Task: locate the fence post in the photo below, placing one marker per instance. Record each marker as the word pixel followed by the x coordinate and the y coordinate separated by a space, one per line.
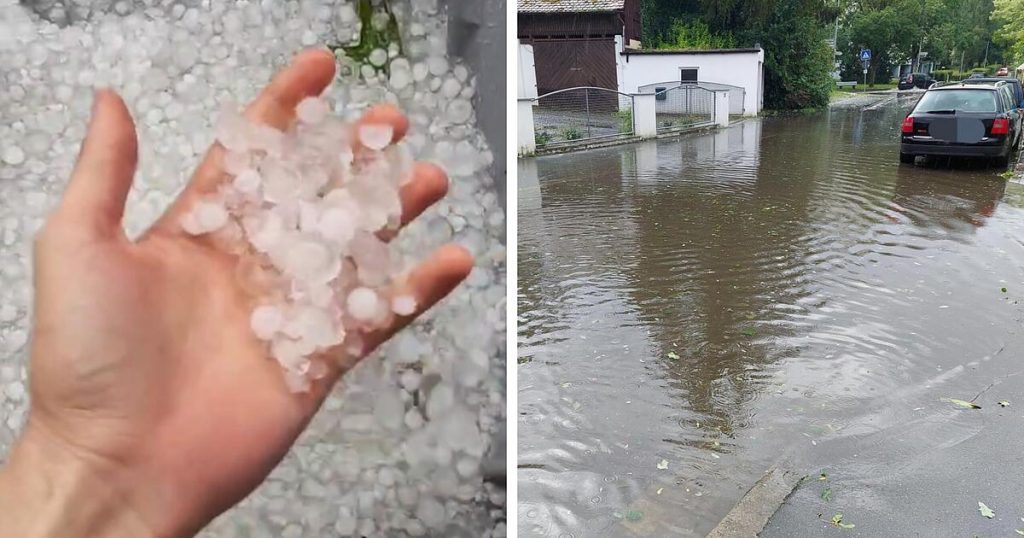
pixel 722 108
pixel 645 122
pixel 525 131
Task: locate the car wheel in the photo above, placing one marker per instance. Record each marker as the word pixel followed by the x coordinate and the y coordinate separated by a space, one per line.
pixel 906 158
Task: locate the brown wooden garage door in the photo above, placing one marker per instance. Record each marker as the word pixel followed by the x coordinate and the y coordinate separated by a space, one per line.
pixel 578 62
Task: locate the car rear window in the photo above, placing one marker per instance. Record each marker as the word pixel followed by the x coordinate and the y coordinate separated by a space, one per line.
pixel 959 100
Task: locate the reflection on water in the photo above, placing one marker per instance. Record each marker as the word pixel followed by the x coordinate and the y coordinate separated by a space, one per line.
pixel 692 308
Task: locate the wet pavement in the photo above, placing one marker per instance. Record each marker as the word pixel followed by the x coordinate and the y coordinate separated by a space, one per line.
pixel 696 310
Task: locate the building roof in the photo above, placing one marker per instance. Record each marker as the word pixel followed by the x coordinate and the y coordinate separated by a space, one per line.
pixel 690 51
pixel 569 6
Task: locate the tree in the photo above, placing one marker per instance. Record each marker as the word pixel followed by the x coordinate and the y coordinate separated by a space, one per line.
pixel 1009 15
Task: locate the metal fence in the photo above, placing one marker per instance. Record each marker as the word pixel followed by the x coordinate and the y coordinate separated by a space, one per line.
pixel 584 114
pixel 737 94
pixel 683 106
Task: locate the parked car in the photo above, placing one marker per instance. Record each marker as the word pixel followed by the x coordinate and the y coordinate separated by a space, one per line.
pixel 915 80
pixel 1018 91
pixel 1003 72
pixel 971 120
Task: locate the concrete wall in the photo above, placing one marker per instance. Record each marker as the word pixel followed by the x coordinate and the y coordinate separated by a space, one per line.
pixel 526 81
pixel 744 69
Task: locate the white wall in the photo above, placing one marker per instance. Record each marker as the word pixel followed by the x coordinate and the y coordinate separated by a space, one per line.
pixel 742 69
pixel 527 79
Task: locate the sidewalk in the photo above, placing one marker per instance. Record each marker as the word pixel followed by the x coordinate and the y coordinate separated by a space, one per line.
pixel 924 470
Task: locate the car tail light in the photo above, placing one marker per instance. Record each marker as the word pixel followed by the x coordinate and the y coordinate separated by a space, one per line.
pixel 1000 126
pixel 908 125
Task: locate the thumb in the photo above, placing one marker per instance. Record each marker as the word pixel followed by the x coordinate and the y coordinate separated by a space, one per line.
pixel 95 197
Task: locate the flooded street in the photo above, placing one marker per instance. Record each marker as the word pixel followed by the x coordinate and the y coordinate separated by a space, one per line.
pixel 694 310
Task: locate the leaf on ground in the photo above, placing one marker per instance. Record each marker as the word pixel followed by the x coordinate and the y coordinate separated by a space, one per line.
pixel 985 510
pixel 660 490
pixel 749 331
pixel 673 355
pixel 1004 403
pixel 634 515
pixel 1019 531
pixel 1002 290
pixel 663 464
pixel 826 494
pixel 837 520
pixel 823 476
pixel 961 403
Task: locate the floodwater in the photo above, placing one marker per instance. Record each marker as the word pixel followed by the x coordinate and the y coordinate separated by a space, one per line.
pixel 693 310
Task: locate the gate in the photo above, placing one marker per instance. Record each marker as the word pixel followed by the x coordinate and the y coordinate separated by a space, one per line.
pixel 575 116
pixel 683 106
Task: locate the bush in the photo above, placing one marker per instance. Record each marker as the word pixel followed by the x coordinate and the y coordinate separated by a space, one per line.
pixel 625 121
pixel 572 133
pixel 542 138
pixel 694 35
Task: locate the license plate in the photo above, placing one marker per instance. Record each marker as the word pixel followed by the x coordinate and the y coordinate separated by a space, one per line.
pixel 958 130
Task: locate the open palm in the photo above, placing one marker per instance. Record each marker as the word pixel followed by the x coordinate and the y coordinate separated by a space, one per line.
pixel 143 365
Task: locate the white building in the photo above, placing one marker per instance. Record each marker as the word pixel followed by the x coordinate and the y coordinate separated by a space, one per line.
pixel 640 70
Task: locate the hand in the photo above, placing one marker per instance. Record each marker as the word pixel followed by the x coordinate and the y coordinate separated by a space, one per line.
pixel 154 408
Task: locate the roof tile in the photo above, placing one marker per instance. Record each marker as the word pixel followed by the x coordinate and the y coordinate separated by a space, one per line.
pixel 568 6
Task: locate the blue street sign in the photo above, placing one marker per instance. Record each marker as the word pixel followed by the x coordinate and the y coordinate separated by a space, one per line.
pixel 865 55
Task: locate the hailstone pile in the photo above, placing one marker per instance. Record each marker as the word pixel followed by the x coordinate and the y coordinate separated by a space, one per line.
pixel 403 447
pixel 302 208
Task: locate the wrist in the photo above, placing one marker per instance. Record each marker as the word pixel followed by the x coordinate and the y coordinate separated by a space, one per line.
pixel 49 490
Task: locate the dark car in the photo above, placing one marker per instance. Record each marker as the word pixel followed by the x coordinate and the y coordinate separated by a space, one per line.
pixel 970 120
pixel 915 80
pixel 1018 91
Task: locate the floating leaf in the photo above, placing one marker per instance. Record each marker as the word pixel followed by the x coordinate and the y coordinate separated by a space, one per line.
pixel 1004 403
pixel 837 520
pixel 673 355
pixel 749 331
pixel 826 494
pixel 663 464
pixel 961 403
pixel 634 515
pixel 985 510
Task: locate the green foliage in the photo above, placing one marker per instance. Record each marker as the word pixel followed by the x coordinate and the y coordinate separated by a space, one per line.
pixel 1009 15
pixel 694 35
pixel 379 30
pixel 625 120
pixel 571 133
pixel 542 138
pixel 797 59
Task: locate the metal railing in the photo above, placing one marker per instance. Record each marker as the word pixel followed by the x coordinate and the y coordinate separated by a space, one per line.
pixel 580 115
pixel 683 106
pixel 737 94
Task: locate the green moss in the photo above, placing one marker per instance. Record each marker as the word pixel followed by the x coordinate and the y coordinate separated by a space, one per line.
pixel 371 36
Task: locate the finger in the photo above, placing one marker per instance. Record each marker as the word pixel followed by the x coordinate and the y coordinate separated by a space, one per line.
pixel 428 283
pixel 95 196
pixel 429 184
pixel 383 114
pixel 431 281
pixel 309 73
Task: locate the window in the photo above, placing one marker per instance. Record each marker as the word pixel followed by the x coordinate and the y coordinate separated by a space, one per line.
pixel 688 74
pixel 965 100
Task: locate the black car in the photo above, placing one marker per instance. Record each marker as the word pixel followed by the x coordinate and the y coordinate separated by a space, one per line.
pixel 972 120
pixel 915 80
pixel 1018 91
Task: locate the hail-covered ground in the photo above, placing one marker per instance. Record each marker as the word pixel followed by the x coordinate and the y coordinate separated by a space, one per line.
pixel 401 447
